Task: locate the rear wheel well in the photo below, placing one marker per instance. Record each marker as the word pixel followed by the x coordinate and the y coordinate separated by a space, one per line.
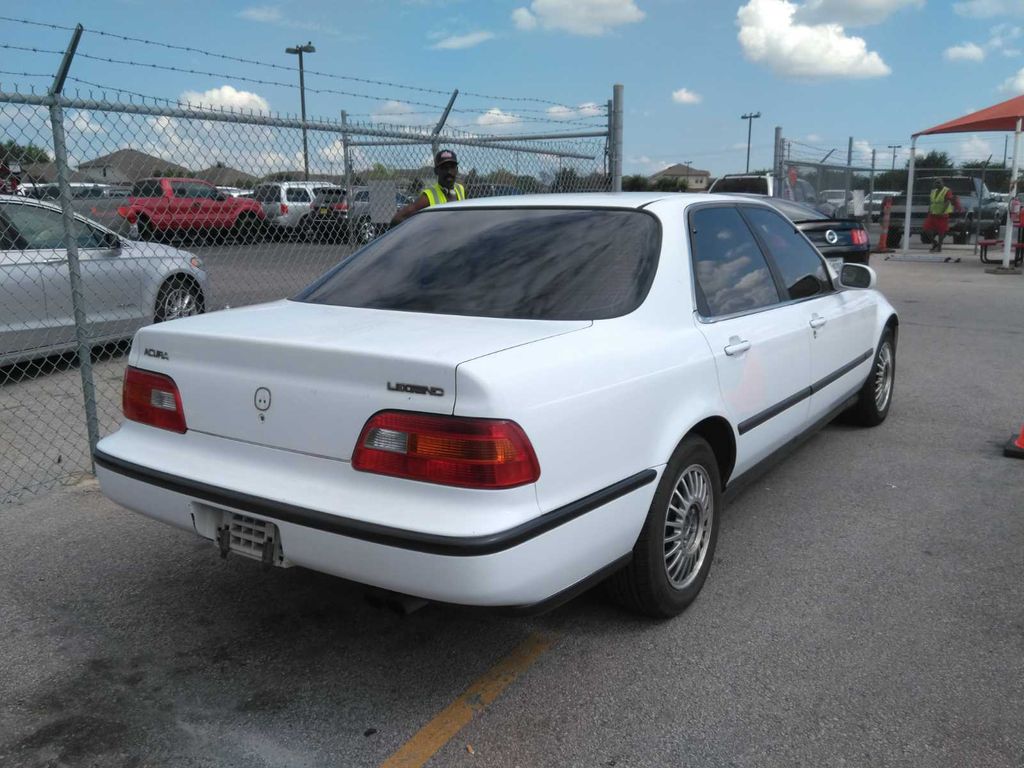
pixel 893 324
pixel 719 435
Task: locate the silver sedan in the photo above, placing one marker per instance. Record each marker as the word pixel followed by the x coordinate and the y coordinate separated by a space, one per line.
pixel 125 284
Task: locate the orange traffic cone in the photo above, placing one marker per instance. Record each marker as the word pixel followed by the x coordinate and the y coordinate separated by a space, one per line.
pixel 1015 448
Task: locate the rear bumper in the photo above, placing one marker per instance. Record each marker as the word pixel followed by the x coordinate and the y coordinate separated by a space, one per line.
pixel 522 565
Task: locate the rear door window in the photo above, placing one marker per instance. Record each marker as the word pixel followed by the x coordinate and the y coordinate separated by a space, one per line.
pixel 267 194
pixel 800 265
pixel 530 263
pixel 297 195
pixel 150 188
pixel 731 272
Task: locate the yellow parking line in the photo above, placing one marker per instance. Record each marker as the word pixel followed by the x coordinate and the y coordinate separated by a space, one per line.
pixel 446 724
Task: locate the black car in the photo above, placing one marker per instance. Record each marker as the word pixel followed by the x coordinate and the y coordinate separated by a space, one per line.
pixel 327 220
pixel 839 240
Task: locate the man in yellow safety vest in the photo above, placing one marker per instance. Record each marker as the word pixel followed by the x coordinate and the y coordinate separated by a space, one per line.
pixel 941 202
pixel 446 166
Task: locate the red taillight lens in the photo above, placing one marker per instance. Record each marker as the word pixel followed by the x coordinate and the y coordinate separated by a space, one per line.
pixel 152 398
pixel 284 209
pixel 859 236
pixel 126 213
pixel 340 206
pixel 449 450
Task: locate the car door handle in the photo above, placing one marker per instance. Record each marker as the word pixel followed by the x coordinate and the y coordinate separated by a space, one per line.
pixel 736 346
pixel 817 321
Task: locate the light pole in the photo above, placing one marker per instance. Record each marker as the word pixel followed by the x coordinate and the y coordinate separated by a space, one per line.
pixel 894 147
pixel 299 50
pixel 750 117
pixel 686 164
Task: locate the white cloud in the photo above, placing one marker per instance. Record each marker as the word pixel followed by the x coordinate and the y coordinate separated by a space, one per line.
pixel 964 52
pixel 578 17
pixel 974 148
pixel 227 97
pixel 861 147
pixel 523 19
pixel 813 137
pixel 458 42
pixel 273 14
pixel 400 113
pixel 1014 84
pixel 769 35
pixel 1011 53
pixel 686 96
pixel 587 109
pixel 986 9
pixel 853 13
pixel 266 14
pixel 496 120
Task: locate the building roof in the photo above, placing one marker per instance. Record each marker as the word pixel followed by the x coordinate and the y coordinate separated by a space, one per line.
pixel 680 170
pixel 225 176
pixel 135 165
pixel 45 173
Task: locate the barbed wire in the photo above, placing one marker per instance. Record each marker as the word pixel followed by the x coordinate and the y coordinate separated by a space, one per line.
pixel 24 74
pixel 256 62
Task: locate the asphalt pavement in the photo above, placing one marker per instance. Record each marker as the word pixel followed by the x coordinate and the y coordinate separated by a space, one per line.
pixel 864 609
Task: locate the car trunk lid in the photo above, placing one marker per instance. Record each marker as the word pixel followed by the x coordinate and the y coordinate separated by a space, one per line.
pixel 306 377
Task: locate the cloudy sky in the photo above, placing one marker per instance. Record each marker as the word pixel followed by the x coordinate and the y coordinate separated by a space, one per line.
pixel 825 70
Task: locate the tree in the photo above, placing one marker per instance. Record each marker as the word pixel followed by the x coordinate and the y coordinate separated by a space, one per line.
pixel 636 183
pixel 934 161
pixel 12 152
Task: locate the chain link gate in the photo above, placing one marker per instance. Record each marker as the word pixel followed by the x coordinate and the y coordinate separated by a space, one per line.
pixel 212 209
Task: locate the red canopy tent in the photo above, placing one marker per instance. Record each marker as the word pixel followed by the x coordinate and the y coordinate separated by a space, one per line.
pixel 1005 116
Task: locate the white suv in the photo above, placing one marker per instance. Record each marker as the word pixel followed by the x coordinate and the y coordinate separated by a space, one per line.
pixel 287 203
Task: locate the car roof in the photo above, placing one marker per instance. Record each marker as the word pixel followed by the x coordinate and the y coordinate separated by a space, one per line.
pixel 581 200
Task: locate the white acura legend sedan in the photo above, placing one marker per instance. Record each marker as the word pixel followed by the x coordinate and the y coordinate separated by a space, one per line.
pixel 504 401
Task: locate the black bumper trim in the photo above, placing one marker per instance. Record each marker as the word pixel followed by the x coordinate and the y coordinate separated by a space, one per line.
pixel 770 413
pixel 456 546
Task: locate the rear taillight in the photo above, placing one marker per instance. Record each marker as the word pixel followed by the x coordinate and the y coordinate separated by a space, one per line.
pixel 284 209
pixel 152 398
pixel 126 213
pixel 340 206
pixel 859 236
pixel 449 450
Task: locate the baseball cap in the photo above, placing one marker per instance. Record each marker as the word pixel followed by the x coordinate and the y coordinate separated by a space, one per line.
pixel 445 156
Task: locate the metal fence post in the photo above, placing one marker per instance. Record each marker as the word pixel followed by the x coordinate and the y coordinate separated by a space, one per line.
pixel 910 196
pixel 617 138
pixel 347 155
pixel 60 159
pixel 436 133
pixel 777 163
pixel 871 185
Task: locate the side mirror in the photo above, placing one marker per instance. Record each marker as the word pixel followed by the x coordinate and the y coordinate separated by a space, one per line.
pixel 857 276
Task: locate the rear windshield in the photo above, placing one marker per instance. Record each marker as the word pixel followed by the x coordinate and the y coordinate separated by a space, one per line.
pixel 756 184
pixel 330 195
pixel 267 194
pixel 796 211
pixel 527 263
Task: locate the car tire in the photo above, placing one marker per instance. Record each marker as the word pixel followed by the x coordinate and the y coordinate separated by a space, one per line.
pixel 179 296
pixel 673 554
pixel 366 231
pixel 875 397
pixel 959 238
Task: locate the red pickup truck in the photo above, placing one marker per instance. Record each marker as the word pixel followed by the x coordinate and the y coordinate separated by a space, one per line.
pixel 164 207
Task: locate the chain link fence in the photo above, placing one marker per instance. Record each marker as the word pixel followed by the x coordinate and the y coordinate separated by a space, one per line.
pixel 168 210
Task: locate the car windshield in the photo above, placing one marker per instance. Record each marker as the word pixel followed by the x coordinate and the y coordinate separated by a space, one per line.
pixel 529 263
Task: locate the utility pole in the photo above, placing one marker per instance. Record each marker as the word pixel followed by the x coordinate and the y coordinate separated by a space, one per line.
pixel 686 164
pixel 750 117
pixel 301 49
pixel 894 147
